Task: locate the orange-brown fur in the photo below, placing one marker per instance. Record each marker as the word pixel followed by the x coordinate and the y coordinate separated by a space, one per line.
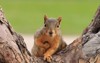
pixel 46 44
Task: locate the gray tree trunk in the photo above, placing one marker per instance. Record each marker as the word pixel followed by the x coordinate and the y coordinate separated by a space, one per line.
pixel 85 49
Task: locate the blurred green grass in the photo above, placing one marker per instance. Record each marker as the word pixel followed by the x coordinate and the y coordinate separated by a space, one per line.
pixel 26 16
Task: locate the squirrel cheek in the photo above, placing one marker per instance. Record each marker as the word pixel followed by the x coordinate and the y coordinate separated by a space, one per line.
pixel 56 31
pixel 47 32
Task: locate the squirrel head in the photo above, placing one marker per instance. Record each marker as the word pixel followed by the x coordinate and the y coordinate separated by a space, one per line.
pixel 52 26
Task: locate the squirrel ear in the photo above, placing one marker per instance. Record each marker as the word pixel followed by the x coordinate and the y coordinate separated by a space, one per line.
pixel 59 19
pixel 45 18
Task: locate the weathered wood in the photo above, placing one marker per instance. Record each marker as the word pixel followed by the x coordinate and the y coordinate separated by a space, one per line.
pixel 85 49
pixel 12 46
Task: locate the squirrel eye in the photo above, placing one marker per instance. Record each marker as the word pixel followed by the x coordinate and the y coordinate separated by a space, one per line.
pixel 57 26
pixel 45 25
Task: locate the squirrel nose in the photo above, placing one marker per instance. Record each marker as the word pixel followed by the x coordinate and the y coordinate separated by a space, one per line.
pixel 50 33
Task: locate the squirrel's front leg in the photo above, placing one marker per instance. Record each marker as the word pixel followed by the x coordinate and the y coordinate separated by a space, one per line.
pixel 48 54
pixel 39 43
pixel 39 47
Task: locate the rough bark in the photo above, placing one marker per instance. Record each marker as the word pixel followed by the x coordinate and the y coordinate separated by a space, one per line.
pixel 85 49
pixel 12 46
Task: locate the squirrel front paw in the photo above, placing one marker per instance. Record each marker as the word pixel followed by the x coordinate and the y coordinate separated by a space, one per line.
pixel 47 57
pixel 46 45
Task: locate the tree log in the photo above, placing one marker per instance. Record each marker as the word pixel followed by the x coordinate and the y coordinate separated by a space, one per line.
pixel 85 49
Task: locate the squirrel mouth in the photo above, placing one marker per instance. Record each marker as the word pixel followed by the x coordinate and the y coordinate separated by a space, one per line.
pixel 51 35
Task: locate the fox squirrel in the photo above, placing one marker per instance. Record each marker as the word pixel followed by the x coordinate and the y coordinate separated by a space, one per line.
pixel 48 40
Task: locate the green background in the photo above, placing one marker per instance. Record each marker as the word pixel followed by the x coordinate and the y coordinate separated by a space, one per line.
pixel 26 16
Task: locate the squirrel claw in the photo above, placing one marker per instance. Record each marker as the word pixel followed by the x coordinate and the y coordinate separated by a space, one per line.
pixel 48 58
